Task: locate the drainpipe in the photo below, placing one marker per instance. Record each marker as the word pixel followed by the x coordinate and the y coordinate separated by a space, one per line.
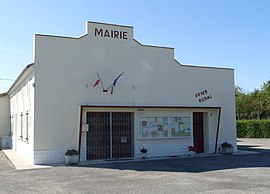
pixel 219 113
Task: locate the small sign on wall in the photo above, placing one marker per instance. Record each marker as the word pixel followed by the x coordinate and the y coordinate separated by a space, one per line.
pixel 203 96
pixel 123 139
pixel 85 127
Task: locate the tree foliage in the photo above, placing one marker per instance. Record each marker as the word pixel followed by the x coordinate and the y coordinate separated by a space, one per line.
pixel 253 105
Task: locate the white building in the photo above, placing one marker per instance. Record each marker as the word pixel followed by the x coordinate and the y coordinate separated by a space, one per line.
pixel 142 97
pixel 4 121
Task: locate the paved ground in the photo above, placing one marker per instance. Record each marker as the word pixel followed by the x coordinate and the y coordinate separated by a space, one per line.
pixel 248 173
pixel 254 144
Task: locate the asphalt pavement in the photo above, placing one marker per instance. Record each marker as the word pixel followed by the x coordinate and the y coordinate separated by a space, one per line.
pixel 240 173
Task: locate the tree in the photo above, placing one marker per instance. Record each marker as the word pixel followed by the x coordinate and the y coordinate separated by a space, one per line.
pixel 243 109
pixel 253 105
pixel 266 96
pixel 257 104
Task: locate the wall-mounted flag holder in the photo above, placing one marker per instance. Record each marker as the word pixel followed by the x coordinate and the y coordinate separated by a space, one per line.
pixel 111 86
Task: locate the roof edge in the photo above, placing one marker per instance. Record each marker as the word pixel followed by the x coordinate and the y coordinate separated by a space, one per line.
pixel 196 66
pixel 164 47
pixel 110 24
pixel 56 36
pixel 19 77
pixel 3 94
pixel 75 38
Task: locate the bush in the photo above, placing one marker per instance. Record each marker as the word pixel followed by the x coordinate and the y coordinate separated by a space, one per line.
pixel 253 128
pixel 71 152
pixel 226 145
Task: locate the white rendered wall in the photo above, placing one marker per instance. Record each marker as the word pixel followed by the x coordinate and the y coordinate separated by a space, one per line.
pixel 65 66
pixel 4 120
pixel 22 116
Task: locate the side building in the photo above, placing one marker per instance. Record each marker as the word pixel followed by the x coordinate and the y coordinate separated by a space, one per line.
pixel 5 132
pixel 107 95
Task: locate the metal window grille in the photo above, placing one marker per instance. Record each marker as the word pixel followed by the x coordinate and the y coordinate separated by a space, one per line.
pixel 21 136
pixel 26 132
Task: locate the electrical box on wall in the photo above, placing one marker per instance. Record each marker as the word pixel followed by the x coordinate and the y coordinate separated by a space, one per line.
pixel 85 127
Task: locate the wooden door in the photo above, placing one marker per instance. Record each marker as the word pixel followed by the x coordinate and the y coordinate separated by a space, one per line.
pixel 198 131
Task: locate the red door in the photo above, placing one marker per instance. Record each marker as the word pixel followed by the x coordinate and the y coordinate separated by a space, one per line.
pixel 198 131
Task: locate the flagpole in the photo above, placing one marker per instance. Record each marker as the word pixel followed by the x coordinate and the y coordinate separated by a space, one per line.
pixel 101 81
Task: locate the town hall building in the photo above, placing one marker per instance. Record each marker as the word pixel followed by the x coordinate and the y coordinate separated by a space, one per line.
pixel 107 95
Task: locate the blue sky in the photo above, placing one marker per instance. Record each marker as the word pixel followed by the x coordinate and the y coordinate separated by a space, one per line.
pixel 225 33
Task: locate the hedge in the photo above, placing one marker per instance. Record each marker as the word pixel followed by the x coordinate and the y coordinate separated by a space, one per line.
pixel 253 128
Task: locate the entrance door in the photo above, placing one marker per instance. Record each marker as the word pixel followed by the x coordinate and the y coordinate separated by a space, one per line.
pixel 110 135
pixel 198 131
pixel 98 135
pixel 122 138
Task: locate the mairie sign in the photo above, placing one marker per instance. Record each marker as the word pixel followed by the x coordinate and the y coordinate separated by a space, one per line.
pixel 117 34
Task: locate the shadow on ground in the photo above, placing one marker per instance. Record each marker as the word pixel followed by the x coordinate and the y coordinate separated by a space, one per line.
pixel 195 164
pixel 259 159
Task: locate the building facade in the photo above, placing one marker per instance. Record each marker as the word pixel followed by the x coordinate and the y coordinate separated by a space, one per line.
pixel 107 95
pixel 4 121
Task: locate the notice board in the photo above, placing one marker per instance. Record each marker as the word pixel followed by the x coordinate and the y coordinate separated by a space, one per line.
pixel 164 127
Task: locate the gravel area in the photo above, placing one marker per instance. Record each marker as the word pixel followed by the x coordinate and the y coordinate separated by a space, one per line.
pixel 244 173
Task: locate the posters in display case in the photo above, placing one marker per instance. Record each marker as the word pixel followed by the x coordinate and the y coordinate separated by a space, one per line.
pixel 164 127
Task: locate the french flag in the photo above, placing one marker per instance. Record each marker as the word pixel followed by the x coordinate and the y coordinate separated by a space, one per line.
pixel 114 82
pixel 97 82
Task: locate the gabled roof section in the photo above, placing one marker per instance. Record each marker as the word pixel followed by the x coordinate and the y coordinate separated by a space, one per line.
pixel 106 24
pixel 27 69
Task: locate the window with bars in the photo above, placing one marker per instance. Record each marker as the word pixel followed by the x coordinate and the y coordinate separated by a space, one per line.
pixel 26 127
pixel 21 136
